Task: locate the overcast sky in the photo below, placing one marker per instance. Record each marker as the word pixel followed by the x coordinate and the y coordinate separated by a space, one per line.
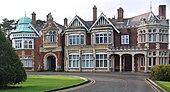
pixel 15 9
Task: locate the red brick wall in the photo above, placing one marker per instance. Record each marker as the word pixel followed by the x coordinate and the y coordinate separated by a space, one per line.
pixel 59 39
pixel 142 44
pixel 163 46
pixel 133 37
pixel 152 45
pixel 37 58
pixel 19 52
pixel 28 52
pixel 88 39
pixel 124 31
pixel 117 39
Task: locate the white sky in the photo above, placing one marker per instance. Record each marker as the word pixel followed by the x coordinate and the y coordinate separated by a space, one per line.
pixel 15 9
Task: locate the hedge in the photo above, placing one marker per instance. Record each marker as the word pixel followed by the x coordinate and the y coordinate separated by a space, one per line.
pixel 160 73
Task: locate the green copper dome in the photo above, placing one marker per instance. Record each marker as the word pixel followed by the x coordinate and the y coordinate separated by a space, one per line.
pixel 24 25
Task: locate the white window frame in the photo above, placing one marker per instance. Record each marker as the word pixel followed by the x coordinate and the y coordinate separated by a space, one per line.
pixel 103 37
pixel 73 62
pixel 79 39
pixel 124 39
pixel 18 44
pixel 87 60
pixel 101 61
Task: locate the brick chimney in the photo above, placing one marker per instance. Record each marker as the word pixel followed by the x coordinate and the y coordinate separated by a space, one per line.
pixel 33 19
pixel 65 22
pixel 162 12
pixel 94 13
pixel 120 14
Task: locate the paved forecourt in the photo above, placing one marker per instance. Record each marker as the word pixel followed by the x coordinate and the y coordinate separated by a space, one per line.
pixel 109 82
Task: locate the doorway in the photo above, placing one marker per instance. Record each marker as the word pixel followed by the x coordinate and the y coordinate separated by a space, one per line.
pixel 51 63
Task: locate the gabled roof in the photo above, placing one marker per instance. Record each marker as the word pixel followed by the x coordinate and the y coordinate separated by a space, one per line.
pixel 85 25
pixel 53 24
pixel 102 15
pixel 152 17
pixel 149 16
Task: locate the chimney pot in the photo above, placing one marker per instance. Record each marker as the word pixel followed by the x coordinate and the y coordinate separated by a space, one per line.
pixel 65 22
pixel 94 13
pixel 120 12
pixel 33 18
pixel 162 11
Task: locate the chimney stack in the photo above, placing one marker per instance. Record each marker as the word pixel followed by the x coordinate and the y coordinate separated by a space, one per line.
pixel 120 15
pixel 162 12
pixel 33 19
pixel 94 13
pixel 65 22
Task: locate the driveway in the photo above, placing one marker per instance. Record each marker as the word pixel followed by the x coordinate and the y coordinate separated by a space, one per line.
pixel 110 82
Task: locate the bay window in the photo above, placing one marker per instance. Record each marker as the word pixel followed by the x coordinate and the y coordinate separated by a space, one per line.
pixel 103 37
pixel 18 44
pixel 76 39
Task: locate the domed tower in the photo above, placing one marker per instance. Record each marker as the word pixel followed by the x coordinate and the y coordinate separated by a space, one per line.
pixel 23 41
pixel 153 34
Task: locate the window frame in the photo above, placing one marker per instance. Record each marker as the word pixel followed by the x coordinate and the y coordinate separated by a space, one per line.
pixel 101 62
pixel 103 37
pixel 73 62
pixel 124 39
pixel 87 59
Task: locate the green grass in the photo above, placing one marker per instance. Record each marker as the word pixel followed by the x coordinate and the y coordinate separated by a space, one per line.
pixel 164 84
pixel 40 83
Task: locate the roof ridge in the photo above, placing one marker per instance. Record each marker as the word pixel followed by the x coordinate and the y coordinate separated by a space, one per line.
pixel 140 14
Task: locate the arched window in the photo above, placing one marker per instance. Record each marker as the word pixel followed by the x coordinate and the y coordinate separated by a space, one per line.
pixel 54 36
pixel 30 44
pixel 51 37
pixel 25 44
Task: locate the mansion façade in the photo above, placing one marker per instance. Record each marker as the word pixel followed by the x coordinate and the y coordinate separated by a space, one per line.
pixel 100 45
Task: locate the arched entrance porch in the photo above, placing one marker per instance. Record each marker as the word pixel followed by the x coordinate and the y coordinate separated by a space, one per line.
pixel 50 62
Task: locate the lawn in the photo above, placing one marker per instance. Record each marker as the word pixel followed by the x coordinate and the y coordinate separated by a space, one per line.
pixel 40 83
pixel 164 84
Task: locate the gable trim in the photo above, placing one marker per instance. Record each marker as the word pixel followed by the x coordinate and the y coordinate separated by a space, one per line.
pixel 102 15
pixel 76 17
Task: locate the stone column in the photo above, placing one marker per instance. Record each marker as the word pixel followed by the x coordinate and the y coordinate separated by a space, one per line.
pixel 146 61
pixel 133 69
pixel 80 60
pixel 66 60
pixel 94 59
pixel 120 63
pixel 113 63
pixel 108 59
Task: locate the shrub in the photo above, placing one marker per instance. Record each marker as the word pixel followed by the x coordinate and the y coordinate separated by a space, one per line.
pixel 11 68
pixel 160 72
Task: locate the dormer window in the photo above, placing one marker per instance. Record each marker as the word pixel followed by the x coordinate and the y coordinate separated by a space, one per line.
pixel 124 39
